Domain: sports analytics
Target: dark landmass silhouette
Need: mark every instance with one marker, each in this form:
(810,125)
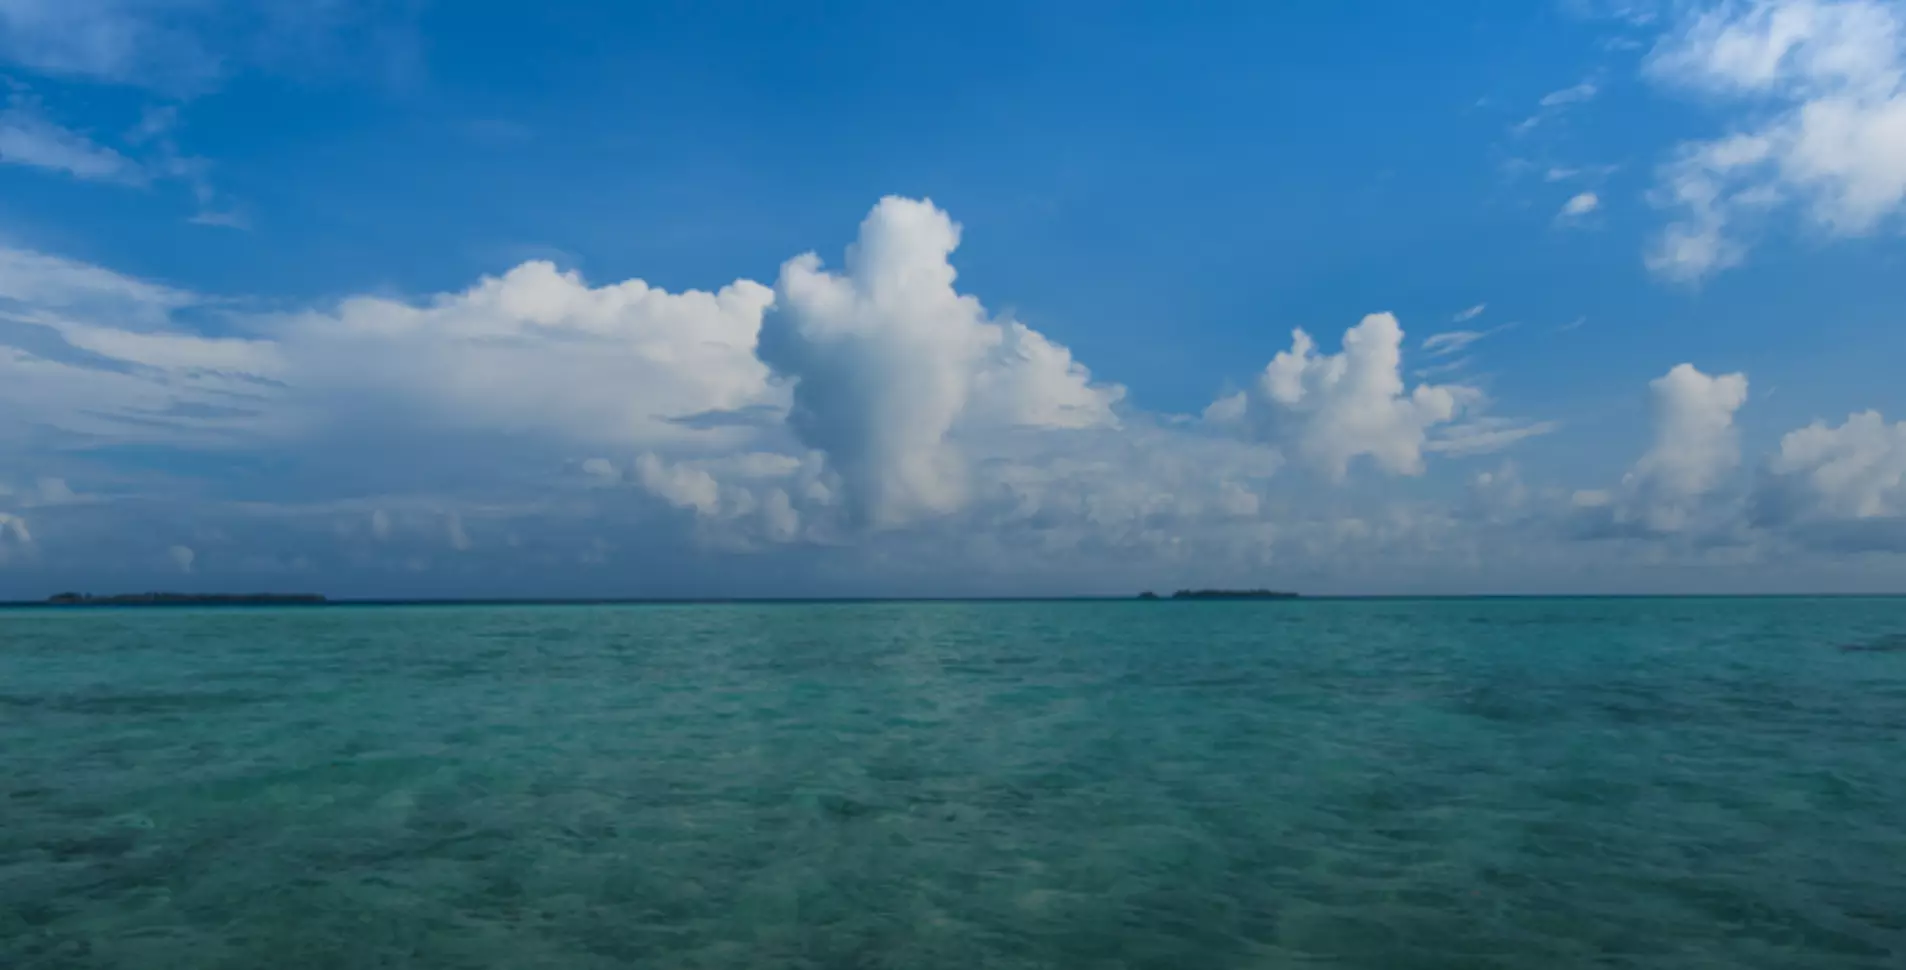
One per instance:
(1223,594)
(314,599)
(182,599)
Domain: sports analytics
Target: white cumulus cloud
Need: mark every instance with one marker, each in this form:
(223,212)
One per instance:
(1696,445)
(546,421)
(1856,470)
(1332,408)
(888,358)
(1824,82)
(601,469)
(680,485)
(538,350)
(1839,486)
(1580,205)
(534,351)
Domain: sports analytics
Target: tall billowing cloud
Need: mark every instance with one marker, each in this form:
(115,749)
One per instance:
(1826,80)
(15,537)
(1332,408)
(888,359)
(1696,446)
(1695,439)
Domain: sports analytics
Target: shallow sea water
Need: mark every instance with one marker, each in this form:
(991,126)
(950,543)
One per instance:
(1380,784)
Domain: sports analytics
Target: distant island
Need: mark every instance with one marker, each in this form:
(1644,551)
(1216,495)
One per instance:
(185,599)
(1223,594)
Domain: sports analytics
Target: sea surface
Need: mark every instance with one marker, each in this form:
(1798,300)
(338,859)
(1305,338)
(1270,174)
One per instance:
(1453,784)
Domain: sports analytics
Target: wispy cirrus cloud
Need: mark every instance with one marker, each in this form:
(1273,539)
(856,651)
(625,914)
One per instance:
(174,50)
(1574,94)
(149,154)
(28,137)
(1555,102)
(181,48)
(1449,343)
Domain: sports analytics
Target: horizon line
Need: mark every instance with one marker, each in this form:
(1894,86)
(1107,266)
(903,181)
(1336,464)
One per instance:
(212,601)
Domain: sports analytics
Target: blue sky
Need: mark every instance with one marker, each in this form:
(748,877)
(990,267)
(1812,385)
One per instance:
(478,299)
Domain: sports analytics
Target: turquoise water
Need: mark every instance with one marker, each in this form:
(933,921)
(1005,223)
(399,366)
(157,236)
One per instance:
(1383,784)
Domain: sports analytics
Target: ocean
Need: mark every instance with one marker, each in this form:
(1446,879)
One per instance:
(1386,784)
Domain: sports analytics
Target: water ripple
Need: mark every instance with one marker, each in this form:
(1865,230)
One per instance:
(1660,783)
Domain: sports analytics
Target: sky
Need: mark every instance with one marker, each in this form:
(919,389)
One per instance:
(414,299)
